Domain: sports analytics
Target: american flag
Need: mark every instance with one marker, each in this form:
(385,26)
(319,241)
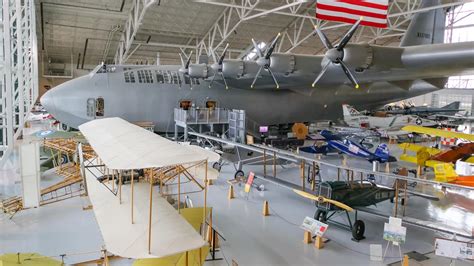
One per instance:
(374,12)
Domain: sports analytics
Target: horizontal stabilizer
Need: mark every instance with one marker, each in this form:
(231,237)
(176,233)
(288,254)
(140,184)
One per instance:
(437,82)
(444,172)
(403,84)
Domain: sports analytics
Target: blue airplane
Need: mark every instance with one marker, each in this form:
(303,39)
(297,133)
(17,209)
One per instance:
(336,143)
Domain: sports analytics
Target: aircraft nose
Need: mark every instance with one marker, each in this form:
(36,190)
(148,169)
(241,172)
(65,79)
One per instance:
(47,101)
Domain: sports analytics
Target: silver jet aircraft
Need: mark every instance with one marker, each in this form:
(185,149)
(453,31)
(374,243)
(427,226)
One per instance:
(276,88)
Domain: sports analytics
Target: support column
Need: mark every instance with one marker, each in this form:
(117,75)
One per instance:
(150,211)
(131,188)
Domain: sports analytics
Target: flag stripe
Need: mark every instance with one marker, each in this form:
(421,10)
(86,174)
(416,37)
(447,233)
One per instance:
(320,6)
(350,16)
(351,21)
(351,6)
(364,3)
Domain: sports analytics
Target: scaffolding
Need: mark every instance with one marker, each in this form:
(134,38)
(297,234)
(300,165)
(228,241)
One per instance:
(18,69)
(208,117)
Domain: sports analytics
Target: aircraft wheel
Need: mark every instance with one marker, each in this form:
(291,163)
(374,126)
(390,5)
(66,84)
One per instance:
(320,215)
(64,159)
(217,166)
(239,174)
(358,230)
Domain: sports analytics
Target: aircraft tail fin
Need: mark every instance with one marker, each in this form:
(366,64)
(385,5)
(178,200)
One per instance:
(444,172)
(382,151)
(349,110)
(426,27)
(453,105)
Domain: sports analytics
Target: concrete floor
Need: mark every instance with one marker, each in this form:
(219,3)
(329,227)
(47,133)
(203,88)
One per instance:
(251,238)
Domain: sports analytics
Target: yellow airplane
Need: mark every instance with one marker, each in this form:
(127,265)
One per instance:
(444,172)
(426,156)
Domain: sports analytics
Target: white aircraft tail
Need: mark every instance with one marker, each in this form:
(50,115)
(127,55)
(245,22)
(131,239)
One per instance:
(348,110)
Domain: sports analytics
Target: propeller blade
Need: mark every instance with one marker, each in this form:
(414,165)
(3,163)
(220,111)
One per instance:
(321,73)
(338,204)
(255,45)
(182,59)
(225,82)
(272,46)
(321,198)
(189,60)
(256,77)
(323,38)
(221,59)
(306,194)
(273,77)
(212,81)
(348,35)
(349,74)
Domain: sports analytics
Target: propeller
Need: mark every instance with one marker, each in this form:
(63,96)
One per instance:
(185,66)
(335,55)
(264,59)
(217,67)
(322,199)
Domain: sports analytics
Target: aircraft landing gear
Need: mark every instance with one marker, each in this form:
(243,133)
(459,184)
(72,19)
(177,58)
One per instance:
(239,174)
(320,215)
(217,166)
(358,229)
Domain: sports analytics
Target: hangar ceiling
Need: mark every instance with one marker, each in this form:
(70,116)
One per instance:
(79,34)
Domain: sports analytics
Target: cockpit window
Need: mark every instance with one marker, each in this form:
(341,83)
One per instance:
(105,69)
(100,107)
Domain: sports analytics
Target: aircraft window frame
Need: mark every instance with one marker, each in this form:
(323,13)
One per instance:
(141,76)
(148,76)
(167,77)
(100,107)
(159,77)
(91,107)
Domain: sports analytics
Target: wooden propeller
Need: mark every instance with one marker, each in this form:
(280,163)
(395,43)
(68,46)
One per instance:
(320,198)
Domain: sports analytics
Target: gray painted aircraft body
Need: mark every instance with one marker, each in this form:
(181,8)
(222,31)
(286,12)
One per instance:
(385,74)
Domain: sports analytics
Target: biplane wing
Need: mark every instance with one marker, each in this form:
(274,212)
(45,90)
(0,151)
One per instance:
(415,148)
(438,132)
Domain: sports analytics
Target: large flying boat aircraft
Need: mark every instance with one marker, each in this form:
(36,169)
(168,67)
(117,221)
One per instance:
(276,88)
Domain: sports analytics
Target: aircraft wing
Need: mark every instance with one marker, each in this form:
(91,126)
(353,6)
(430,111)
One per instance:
(415,148)
(438,132)
(414,160)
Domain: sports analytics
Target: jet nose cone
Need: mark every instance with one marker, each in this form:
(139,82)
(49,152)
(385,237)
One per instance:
(47,101)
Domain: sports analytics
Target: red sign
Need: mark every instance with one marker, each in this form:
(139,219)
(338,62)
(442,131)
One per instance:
(248,185)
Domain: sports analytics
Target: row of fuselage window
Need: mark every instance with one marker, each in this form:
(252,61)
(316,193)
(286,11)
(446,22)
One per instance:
(160,77)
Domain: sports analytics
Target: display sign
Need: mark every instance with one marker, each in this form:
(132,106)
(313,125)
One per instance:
(314,226)
(263,129)
(454,249)
(394,232)
(44,133)
(248,185)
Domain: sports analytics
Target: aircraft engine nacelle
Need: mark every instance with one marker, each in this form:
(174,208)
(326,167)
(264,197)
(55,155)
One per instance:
(282,63)
(233,68)
(358,56)
(198,70)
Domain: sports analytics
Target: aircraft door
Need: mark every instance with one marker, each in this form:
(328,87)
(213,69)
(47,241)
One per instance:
(185,104)
(91,105)
(211,104)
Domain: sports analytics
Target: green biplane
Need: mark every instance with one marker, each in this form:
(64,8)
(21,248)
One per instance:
(343,196)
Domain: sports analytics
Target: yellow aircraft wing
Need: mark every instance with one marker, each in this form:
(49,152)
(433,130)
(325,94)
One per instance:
(415,160)
(415,148)
(438,132)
